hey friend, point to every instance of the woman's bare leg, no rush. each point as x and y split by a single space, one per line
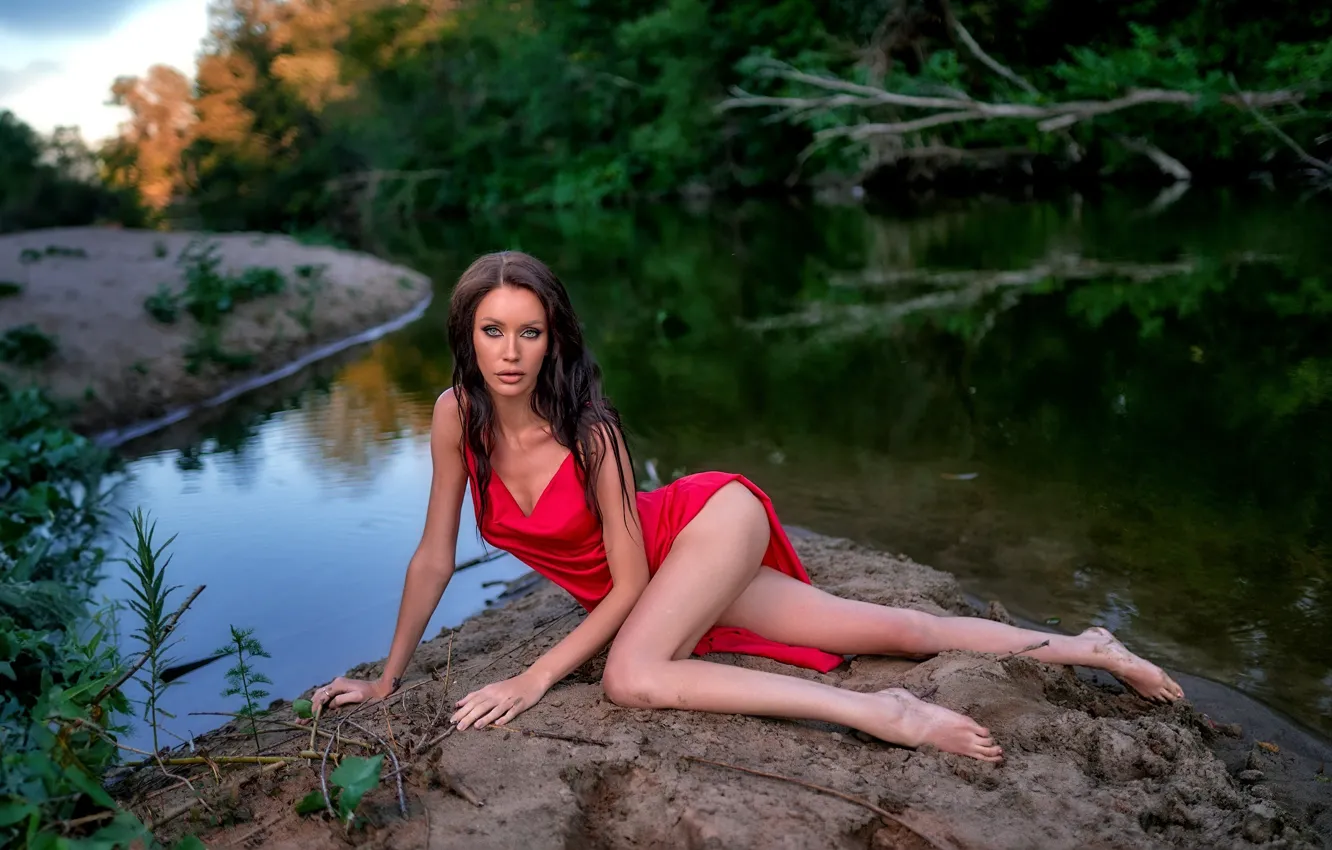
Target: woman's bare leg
785 609
711 563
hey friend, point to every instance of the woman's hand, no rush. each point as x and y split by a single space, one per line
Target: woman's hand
498 702
343 691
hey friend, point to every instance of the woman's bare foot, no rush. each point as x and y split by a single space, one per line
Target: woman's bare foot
1150 681
900 718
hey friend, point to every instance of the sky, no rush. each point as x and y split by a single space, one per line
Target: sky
58 58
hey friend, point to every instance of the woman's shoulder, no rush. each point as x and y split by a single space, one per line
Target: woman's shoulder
446 421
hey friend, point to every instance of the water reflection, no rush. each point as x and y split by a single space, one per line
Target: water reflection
1128 429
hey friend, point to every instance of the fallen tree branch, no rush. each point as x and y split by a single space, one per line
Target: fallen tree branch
883 813
1324 168
959 108
1053 116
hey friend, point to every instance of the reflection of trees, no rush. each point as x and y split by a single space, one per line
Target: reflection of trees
356 423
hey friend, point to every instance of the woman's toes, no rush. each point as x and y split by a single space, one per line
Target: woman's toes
991 752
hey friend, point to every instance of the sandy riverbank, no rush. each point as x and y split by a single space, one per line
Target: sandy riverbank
1087 764
86 287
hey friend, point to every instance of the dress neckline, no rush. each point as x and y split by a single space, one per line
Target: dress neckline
542 495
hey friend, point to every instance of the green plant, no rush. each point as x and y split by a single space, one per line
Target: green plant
354 777
207 348
155 622
26 345
243 680
163 305
9 288
159 249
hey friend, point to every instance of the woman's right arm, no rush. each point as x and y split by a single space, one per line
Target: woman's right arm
430 567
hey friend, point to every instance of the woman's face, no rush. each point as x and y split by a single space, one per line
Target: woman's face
510 339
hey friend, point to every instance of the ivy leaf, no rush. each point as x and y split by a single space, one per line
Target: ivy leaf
303 708
313 802
13 812
355 776
189 842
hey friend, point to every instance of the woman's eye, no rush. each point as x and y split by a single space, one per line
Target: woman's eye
531 333
491 331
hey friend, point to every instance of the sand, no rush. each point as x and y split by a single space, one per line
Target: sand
1088 765
119 366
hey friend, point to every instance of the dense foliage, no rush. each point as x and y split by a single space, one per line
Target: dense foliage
303 113
54 182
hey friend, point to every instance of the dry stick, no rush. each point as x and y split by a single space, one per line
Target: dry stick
1034 646
69 825
240 842
397 768
435 740
884 813
323 770
185 807
1305 156
210 760
537 733
284 724
134 668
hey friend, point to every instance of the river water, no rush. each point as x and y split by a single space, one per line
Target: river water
1109 411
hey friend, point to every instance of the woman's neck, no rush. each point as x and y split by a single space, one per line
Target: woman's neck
514 417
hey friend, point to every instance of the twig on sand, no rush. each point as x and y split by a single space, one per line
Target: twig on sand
883 813
1034 646
286 725
557 736
171 815
323 769
168 627
457 787
244 837
424 748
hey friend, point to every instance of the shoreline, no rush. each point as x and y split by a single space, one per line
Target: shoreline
127 373
1088 764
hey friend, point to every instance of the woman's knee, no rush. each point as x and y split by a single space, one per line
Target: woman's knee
628 682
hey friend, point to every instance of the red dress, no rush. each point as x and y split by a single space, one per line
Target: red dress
561 539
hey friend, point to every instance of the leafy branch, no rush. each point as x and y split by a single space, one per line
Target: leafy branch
243 680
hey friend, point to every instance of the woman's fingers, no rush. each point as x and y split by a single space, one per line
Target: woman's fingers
469 713
513 712
344 698
491 716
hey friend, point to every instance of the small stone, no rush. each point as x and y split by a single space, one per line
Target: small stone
1261 823
1234 730
555 703
837 737
1248 777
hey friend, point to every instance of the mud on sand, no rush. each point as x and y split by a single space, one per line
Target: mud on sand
86 286
1087 765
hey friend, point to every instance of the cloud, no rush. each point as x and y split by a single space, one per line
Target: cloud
64 17
13 82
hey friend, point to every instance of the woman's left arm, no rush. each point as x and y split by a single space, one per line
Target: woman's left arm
622 535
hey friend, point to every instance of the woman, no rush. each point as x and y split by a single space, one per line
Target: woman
697 566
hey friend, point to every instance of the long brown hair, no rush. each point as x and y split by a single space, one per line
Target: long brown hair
568 393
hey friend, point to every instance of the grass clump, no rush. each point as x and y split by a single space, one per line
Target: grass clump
26 345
